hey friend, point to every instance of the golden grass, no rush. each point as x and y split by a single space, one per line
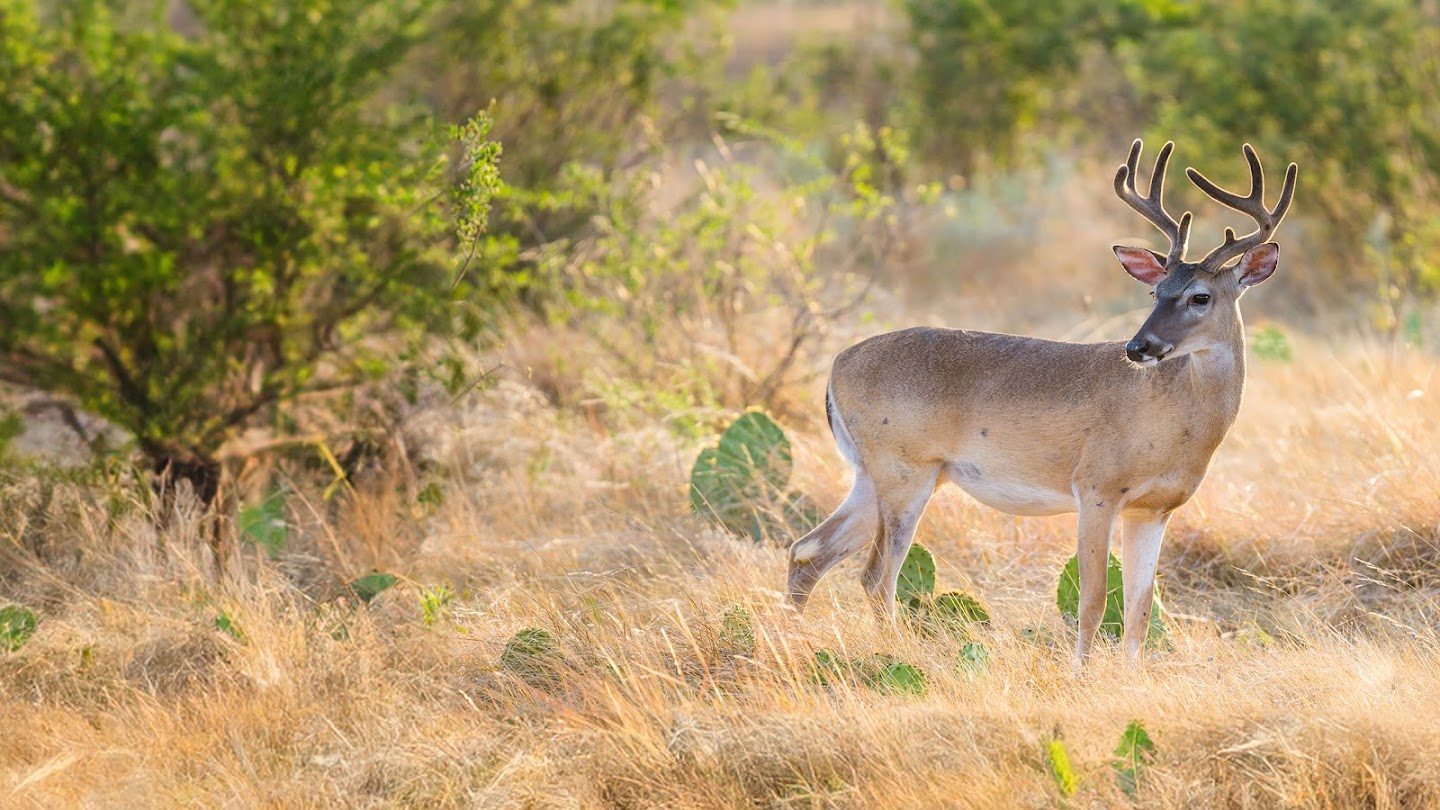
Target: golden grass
1302 583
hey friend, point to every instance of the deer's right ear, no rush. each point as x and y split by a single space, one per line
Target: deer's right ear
1144 265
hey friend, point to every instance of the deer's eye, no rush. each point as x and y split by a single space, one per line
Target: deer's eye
1200 299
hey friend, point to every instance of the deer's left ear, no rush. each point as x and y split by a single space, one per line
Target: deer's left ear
1143 265
1257 264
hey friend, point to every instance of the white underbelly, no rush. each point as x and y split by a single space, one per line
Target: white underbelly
1016 497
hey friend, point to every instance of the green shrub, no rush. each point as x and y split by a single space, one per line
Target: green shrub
200 227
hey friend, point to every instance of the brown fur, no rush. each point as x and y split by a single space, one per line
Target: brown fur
1033 427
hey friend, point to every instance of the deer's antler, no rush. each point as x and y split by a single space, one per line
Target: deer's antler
1253 206
1150 205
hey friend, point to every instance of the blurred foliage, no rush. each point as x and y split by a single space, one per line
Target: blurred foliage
210 208
988 71
199 227
1348 90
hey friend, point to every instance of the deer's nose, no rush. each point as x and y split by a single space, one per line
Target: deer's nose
1136 349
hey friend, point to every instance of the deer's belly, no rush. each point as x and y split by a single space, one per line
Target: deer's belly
1009 493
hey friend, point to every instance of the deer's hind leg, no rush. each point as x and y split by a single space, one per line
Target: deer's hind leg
902 494
851 526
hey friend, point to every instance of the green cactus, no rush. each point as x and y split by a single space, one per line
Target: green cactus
952 611
737 631
372 585
917 578
954 606
974 658
741 482
1067 598
885 673
532 654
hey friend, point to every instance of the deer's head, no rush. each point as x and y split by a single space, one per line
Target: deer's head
1197 303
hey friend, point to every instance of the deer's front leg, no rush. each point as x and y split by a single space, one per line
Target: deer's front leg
1097 522
1143 533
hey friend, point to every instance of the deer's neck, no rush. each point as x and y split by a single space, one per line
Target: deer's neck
1214 380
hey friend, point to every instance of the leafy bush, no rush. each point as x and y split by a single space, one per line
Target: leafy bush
1067 599
1362 131
200 227
705 289
988 73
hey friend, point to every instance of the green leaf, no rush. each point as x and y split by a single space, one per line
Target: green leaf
264 524
227 625
372 585
1132 755
433 601
17 625
1060 769
917 577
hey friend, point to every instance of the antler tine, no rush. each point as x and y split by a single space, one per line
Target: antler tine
1251 205
1150 206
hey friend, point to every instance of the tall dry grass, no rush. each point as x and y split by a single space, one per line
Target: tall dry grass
1302 582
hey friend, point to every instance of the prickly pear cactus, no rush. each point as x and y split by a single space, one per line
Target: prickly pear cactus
741 483
917 578
1067 598
532 654
957 607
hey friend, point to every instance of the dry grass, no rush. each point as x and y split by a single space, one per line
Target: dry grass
1304 672
1303 583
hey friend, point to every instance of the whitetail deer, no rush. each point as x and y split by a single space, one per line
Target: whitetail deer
1040 427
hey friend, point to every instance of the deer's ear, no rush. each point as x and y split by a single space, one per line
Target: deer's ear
1257 264
1144 265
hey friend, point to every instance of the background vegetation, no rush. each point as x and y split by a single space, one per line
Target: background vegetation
363 362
